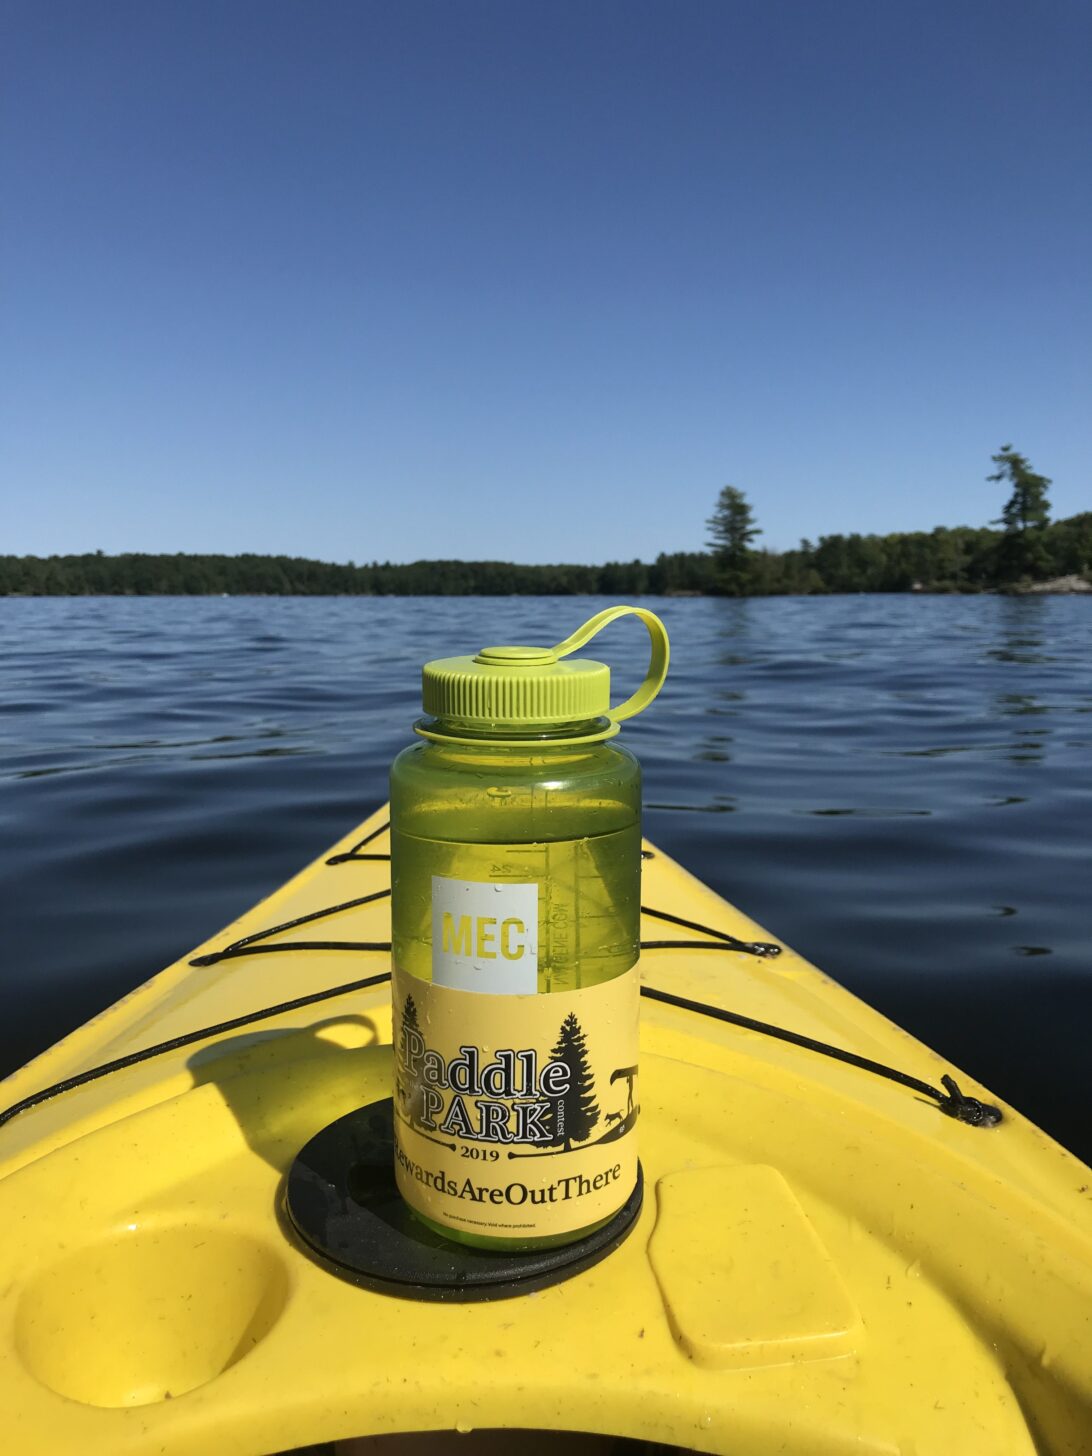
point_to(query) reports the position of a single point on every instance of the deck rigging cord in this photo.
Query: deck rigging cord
(951, 1100)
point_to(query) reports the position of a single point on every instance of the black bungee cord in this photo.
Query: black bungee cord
(951, 1101)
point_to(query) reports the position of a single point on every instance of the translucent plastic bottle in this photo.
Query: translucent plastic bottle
(515, 878)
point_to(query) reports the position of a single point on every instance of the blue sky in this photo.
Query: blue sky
(532, 281)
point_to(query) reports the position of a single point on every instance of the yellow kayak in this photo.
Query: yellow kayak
(840, 1249)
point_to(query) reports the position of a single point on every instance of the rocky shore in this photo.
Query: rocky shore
(1057, 586)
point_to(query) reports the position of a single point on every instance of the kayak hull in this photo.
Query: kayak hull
(824, 1262)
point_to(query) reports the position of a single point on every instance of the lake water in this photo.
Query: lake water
(899, 787)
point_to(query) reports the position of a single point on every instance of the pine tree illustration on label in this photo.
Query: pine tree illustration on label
(575, 1112)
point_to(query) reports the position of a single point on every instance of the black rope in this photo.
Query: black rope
(247, 945)
(234, 952)
(133, 1059)
(748, 947)
(354, 853)
(704, 945)
(951, 1101)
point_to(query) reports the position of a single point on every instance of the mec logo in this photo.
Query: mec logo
(480, 936)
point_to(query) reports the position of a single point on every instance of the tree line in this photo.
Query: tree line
(1023, 545)
(137, 574)
(1027, 548)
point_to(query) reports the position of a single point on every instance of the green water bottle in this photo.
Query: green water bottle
(515, 884)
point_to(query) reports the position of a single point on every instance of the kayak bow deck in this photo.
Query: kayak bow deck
(824, 1262)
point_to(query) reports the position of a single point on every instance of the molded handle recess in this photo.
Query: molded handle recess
(657, 665)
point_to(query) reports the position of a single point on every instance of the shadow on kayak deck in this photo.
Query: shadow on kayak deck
(274, 1081)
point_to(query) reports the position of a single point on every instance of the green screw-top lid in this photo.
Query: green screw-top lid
(526, 687)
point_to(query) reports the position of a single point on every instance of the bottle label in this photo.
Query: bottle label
(515, 1112)
(485, 936)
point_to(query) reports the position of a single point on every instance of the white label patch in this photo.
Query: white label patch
(485, 936)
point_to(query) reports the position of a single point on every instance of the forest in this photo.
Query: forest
(947, 559)
(1022, 548)
(955, 559)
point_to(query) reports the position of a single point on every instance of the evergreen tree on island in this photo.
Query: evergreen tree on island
(573, 1115)
(1022, 550)
(731, 531)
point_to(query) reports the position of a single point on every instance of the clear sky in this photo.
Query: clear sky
(532, 281)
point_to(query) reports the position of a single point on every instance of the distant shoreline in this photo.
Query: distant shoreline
(1059, 586)
(959, 560)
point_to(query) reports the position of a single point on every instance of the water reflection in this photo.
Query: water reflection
(724, 695)
(714, 750)
(734, 616)
(1023, 627)
(1020, 705)
(1023, 623)
(720, 804)
(867, 813)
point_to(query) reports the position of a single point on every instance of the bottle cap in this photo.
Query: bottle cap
(523, 688)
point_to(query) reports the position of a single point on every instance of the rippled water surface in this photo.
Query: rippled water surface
(898, 786)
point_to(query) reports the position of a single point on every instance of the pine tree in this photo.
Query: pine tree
(409, 1016)
(1022, 550)
(575, 1113)
(409, 1023)
(731, 531)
